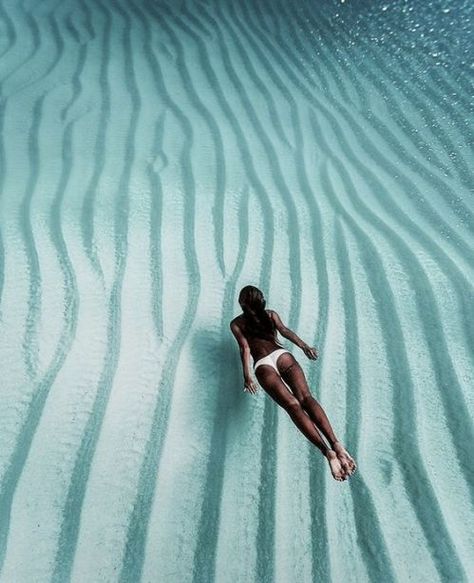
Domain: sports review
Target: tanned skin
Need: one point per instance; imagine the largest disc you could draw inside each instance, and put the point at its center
(290, 390)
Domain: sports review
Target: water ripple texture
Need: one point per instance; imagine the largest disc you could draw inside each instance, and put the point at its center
(156, 156)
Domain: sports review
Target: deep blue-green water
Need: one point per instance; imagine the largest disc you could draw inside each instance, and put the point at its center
(156, 157)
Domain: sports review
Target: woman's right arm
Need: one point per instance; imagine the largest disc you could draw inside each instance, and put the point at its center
(287, 333)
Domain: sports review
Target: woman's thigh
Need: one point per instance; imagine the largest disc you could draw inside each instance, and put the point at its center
(294, 377)
(272, 384)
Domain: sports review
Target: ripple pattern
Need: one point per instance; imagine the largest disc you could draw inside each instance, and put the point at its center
(155, 157)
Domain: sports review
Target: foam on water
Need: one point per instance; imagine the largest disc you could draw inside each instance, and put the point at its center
(156, 157)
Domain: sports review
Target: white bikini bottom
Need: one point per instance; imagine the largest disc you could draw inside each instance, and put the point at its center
(271, 359)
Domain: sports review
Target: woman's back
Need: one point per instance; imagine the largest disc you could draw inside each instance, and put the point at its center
(259, 346)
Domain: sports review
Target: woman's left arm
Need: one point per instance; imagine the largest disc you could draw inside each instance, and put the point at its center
(250, 385)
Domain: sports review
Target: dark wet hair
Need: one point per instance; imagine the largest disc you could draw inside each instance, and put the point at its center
(258, 322)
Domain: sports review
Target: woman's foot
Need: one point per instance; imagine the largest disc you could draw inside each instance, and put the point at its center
(348, 464)
(337, 471)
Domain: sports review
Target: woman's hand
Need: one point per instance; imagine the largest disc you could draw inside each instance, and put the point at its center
(310, 352)
(250, 386)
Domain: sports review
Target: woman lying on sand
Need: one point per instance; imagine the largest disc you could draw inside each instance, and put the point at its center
(256, 332)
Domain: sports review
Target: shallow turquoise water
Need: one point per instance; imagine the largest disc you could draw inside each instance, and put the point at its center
(156, 157)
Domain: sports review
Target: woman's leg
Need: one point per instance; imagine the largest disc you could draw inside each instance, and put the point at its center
(294, 377)
(271, 382)
(292, 373)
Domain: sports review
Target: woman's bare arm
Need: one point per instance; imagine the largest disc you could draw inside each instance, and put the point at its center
(249, 384)
(287, 333)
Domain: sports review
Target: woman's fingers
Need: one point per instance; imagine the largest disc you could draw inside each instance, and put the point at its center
(311, 353)
(251, 387)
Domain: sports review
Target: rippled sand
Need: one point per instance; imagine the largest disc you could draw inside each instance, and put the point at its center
(158, 156)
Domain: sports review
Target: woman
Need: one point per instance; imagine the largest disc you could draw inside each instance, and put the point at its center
(277, 371)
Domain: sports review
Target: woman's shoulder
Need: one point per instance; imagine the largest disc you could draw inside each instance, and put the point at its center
(237, 320)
